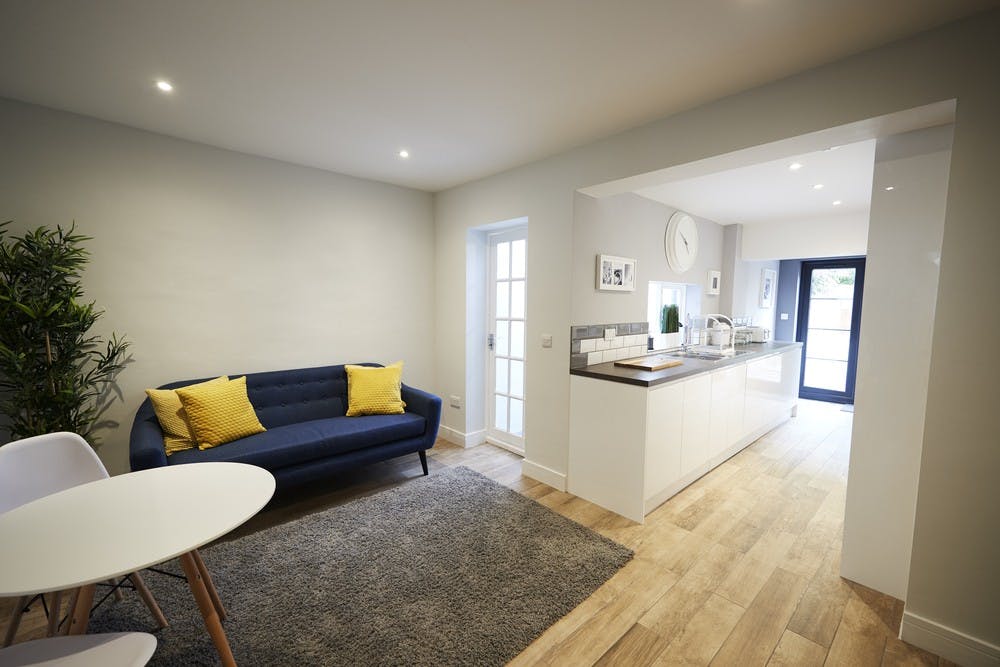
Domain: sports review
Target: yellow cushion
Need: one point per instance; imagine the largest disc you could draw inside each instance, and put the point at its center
(177, 434)
(220, 413)
(374, 391)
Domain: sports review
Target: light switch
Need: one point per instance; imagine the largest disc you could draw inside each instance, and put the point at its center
(455, 401)
(784, 316)
(546, 340)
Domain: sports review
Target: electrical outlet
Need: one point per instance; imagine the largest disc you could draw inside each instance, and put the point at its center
(455, 401)
(784, 316)
(609, 333)
(546, 340)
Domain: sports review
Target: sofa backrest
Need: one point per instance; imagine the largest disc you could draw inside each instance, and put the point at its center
(287, 397)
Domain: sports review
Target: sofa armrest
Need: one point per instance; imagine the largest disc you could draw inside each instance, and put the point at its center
(427, 406)
(145, 447)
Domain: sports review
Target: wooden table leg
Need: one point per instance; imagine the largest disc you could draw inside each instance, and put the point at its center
(55, 613)
(15, 619)
(207, 578)
(148, 599)
(81, 611)
(207, 608)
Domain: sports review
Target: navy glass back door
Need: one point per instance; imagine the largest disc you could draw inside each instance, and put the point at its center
(828, 327)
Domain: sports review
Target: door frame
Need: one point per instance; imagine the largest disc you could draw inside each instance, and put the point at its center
(802, 325)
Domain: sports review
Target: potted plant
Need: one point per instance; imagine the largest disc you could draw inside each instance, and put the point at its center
(54, 374)
(670, 324)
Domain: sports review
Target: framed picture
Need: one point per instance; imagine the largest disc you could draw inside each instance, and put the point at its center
(714, 282)
(768, 283)
(615, 274)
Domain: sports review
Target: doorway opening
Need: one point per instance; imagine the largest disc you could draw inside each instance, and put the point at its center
(830, 326)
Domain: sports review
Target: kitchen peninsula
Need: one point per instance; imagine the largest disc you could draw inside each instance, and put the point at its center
(638, 437)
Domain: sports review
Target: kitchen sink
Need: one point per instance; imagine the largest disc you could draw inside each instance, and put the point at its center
(704, 356)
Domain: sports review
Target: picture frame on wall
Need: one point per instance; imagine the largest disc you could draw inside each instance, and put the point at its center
(768, 285)
(714, 283)
(615, 274)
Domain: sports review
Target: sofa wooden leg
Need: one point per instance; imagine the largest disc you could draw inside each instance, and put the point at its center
(423, 460)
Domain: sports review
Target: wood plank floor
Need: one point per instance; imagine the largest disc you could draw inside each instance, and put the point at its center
(741, 568)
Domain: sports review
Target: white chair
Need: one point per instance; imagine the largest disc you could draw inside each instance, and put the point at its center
(39, 466)
(122, 649)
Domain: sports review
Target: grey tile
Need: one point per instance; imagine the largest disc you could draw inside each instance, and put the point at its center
(596, 331)
(574, 347)
(576, 333)
(635, 327)
(644, 327)
(577, 360)
(622, 329)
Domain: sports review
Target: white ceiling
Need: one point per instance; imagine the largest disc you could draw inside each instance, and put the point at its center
(772, 192)
(469, 87)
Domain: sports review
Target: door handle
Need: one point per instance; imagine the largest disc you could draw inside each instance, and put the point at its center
(490, 340)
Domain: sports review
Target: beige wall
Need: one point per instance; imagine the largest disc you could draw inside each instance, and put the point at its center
(216, 262)
(628, 225)
(953, 579)
(841, 236)
(904, 248)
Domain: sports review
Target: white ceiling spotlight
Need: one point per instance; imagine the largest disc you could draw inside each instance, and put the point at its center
(890, 188)
(818, 186)
(795, 166)
(164, 85)
(837, 202)
(403, 153)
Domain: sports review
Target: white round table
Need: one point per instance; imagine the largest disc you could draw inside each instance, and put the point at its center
(115, 526)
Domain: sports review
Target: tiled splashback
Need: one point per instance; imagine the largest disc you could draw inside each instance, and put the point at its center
(588, 346)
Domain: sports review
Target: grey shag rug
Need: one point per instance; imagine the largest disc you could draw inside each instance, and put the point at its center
(449, 569)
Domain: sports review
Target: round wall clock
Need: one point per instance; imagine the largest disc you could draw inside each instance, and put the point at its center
(681, 242)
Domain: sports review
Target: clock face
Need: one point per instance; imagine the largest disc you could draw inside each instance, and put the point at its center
(681, 242)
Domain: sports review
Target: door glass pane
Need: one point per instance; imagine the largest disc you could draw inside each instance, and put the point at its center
(517, 340)
(516, 417)
(517, 259)
(516, 378)
(501, 375)
(500, 420)
(502, 338)
(517, 299)
(832, 284)
(825, 374)
(830, 313)
(826, 344)
(503, 261)
(503, 299)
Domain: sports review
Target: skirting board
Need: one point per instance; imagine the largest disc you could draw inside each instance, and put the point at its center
(948, 643)
(456, 437)
(556, 480)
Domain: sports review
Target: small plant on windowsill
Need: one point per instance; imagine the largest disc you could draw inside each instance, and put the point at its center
(670, 324)
(54, 374)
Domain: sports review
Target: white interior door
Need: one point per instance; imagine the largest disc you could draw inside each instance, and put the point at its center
(506, 370)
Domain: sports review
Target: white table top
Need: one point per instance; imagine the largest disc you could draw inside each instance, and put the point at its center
(118, 525)
(123, 649)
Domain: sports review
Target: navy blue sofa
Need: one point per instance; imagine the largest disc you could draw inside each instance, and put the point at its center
(308, 437)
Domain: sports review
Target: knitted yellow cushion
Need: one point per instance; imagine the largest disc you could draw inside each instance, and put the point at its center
(220, 413)
(177, 434)
(374, 391)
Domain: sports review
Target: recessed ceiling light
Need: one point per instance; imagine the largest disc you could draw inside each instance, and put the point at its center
(404, 153)
(837, 203)
(890, 188)
(833, 148)
(164, 86)
(818, 186)
(795, 166)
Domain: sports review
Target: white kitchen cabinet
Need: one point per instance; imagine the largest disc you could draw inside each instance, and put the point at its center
(633, 446)
(726, 416)
(695, 445)
(664, 417)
